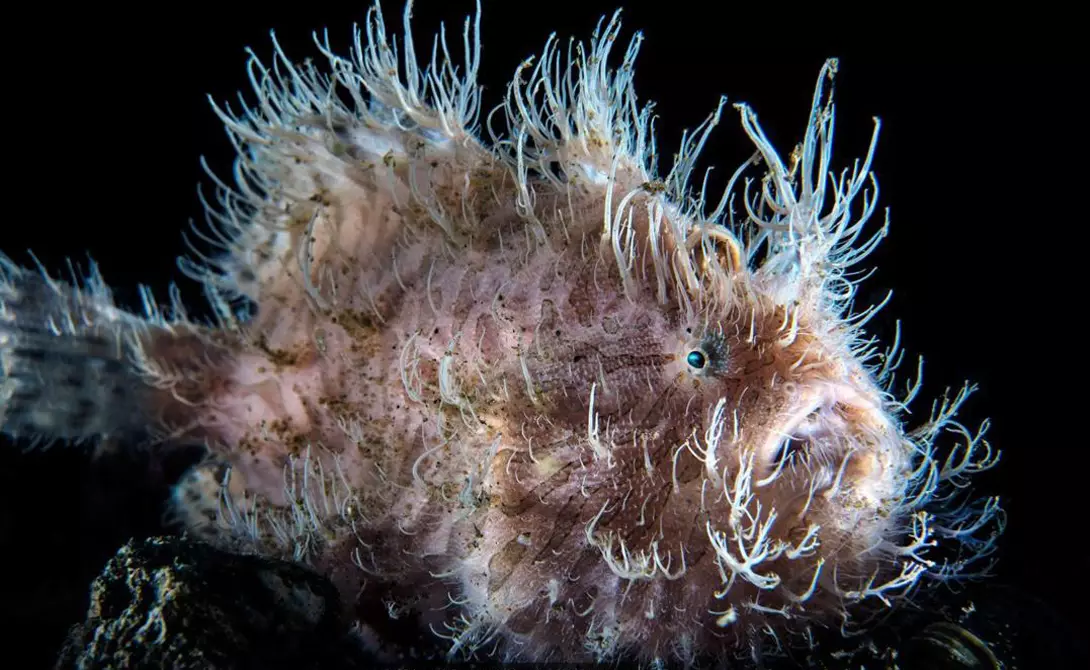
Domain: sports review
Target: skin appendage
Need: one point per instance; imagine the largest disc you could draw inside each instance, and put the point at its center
(525, 393)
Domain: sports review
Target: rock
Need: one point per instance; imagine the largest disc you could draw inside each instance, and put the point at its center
(169, 602)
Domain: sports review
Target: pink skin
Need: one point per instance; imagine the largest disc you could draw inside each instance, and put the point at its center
(540, 483)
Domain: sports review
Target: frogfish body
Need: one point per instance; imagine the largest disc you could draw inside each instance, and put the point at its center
(524, 394)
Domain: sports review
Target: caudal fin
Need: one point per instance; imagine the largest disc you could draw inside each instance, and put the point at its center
(65, 363)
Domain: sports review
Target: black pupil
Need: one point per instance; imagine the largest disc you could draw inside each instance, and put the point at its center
(697, 359)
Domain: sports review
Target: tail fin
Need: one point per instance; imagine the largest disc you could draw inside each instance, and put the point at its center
(65, 368)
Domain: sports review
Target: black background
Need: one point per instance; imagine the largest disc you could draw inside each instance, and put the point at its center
(977, 161)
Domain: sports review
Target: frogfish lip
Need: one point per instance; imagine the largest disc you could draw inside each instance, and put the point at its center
(832, 422)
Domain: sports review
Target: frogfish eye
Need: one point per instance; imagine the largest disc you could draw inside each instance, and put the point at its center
(696, 359)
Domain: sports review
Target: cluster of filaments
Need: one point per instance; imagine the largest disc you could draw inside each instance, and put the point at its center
(573, 126)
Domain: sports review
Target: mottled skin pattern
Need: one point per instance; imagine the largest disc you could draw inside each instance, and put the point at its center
(520, 395)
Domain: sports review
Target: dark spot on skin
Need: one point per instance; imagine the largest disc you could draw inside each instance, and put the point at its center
(31, 354)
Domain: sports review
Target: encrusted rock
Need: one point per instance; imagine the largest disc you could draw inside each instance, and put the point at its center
(171, 602)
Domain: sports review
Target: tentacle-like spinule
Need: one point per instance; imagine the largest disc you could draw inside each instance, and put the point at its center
(527, 391)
